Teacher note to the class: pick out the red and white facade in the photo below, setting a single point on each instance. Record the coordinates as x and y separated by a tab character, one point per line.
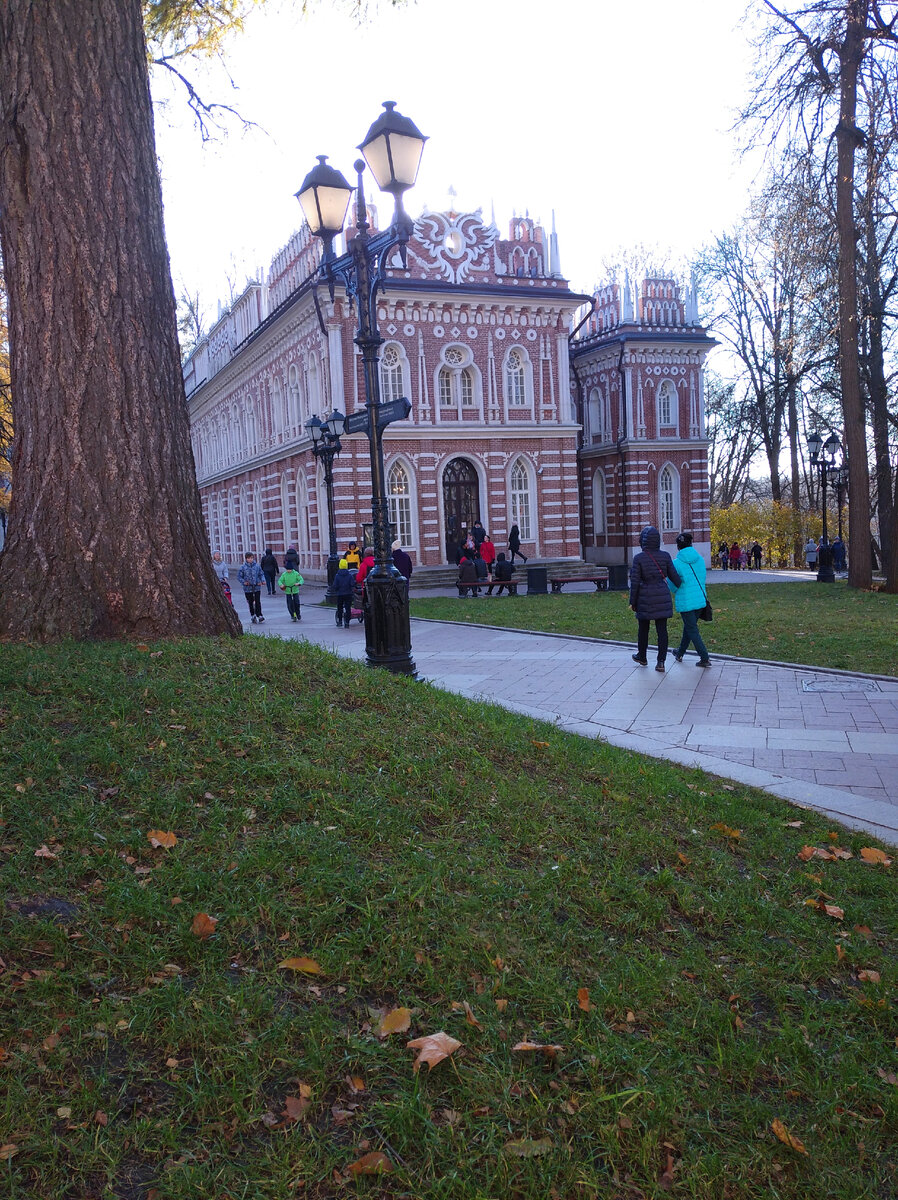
638	371
476	335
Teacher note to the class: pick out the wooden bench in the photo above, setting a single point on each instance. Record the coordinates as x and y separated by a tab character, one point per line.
599	577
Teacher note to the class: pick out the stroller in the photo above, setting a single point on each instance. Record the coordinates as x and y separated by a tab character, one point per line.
357	611
226	588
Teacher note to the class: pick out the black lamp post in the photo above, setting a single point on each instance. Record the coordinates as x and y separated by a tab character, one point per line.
326	445
823	457
392	150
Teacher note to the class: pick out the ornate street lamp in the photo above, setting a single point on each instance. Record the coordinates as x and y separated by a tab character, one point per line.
326	445
392	150
840	480
823	458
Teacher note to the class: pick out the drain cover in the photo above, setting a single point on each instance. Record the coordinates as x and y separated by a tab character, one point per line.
832	684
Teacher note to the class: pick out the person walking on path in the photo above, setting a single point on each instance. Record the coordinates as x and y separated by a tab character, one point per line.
649	596
224	574
366	565
690	598
290	582
756	554
251	578
344	581
291	558
723	554
514	544
352	556
269	565
810	554
838	549
735	557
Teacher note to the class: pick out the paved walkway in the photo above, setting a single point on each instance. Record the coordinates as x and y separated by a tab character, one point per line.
822	739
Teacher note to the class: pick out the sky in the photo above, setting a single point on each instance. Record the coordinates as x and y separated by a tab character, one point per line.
616	117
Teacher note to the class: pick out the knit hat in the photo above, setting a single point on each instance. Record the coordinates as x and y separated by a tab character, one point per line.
343	564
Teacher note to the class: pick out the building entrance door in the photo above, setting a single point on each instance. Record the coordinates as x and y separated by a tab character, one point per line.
461	502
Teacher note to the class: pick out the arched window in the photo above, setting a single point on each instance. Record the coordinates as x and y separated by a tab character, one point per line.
294	402
258	526
400	501
286	522
594	425
304	539
391	385
235	524
457	384
521	506
314	386
668	500
667	405
599	505
516	380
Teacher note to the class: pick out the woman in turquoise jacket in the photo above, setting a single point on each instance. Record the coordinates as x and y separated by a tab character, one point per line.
690	598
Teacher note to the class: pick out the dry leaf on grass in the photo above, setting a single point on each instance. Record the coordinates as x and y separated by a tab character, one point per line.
203	926
583	1000
549	1050
501	1003
160	840
43	852
307	966
433	1048
831	910
397	1020
869	976
787	1138
719	827
295	1107
871	855
8	1150
888	1076
375	1162
528	1147
464	1006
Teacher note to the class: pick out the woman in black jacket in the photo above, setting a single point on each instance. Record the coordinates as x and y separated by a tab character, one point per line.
269	565
514	544
650	597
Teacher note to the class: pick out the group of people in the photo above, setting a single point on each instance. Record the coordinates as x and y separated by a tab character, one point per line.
739	558
812	551
657	583
477	543
479	566
353	568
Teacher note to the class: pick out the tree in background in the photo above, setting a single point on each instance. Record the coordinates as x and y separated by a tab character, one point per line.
810	58
733	439
106	537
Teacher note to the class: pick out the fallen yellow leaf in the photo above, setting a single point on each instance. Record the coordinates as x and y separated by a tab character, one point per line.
203	926
787	1138
307	966
397	1020
719	827
871	855
583	1000
375	1162
159	839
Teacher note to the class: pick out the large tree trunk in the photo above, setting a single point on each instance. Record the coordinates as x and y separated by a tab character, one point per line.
106	536
851	52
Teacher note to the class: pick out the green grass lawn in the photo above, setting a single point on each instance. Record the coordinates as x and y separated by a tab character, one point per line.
425	852
826	625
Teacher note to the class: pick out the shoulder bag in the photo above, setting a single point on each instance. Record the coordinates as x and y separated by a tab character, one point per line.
706	613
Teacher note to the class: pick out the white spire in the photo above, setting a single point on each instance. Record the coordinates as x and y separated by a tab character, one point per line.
554	258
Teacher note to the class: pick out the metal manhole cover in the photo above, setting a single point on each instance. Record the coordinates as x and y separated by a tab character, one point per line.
839	685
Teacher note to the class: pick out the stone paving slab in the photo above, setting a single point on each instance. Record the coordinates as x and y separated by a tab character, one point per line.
836	752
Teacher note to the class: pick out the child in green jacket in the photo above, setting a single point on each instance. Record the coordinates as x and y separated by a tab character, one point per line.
290	581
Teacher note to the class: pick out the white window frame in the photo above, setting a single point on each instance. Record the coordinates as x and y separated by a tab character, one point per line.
599	504
393	374
667	388
668	499
521	505
401	504
457	380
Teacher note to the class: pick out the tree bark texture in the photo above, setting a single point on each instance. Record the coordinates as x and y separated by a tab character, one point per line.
851	53
106	536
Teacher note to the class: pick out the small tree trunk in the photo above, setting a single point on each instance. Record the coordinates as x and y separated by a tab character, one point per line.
106	536
851	53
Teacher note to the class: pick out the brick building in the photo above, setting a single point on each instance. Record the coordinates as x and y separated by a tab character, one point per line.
477	337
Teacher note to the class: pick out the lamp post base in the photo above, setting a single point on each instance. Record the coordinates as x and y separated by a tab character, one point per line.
333	566
388	637
825	573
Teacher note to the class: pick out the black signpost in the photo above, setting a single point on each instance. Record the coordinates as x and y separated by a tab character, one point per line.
393	410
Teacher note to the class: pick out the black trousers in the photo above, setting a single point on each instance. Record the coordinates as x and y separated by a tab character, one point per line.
254	600
642	644
293	603
269	579
344	609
